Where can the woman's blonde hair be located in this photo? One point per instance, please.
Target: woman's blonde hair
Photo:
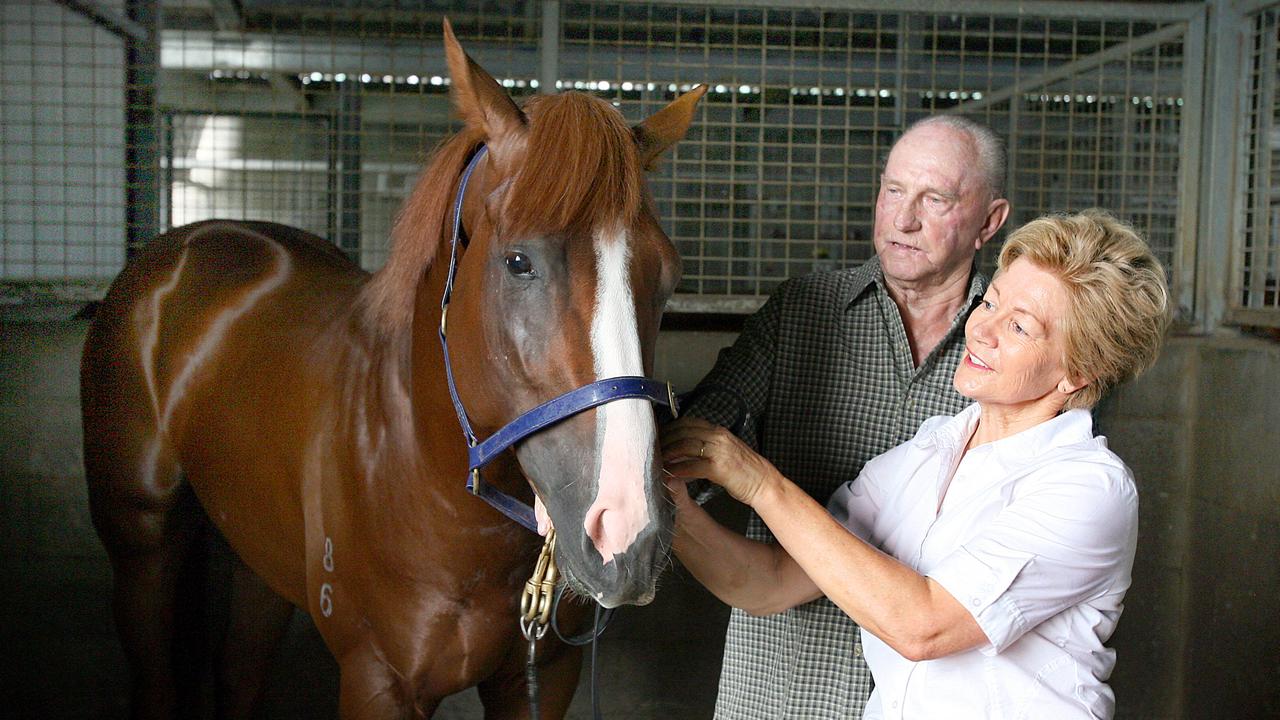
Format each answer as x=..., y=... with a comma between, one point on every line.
x=1119, y=299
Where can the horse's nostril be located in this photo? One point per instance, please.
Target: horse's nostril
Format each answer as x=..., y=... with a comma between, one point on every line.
x=594, y=525
x=612, y=530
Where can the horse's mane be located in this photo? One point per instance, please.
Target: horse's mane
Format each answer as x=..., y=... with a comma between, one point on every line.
x=581, y=173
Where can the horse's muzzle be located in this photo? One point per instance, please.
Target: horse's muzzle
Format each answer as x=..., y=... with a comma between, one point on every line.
x=630, y=577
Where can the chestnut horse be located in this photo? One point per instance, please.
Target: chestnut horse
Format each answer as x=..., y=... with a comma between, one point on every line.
x=250, y=370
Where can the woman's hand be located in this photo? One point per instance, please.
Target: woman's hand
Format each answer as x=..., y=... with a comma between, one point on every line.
x=693, y=448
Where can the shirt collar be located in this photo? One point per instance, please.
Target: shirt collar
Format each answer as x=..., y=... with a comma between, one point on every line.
x=1068, y=428
x=870, y=273
x=857, y=282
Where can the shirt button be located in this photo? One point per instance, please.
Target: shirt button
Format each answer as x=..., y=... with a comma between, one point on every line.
x=1062, y=642
x=976, y=602
x=857, y=651
x=895, y=704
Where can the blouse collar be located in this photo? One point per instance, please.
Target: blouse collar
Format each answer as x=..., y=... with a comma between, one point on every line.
x=1069, y=428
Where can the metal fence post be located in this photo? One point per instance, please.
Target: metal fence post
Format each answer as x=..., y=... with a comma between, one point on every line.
x=142, y=137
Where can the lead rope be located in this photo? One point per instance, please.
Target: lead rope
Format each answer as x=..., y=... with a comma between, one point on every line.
x=590, y=636
x=538, y=605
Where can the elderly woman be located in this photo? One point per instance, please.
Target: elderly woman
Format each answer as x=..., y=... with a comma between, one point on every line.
x=986, y=558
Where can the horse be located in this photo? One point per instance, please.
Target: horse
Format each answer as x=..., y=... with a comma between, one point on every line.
x=249, y=376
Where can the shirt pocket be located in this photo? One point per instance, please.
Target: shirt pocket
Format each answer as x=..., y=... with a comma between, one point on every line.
x=979, y=580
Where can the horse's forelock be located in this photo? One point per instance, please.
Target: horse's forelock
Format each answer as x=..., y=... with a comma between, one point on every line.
x=581, y=171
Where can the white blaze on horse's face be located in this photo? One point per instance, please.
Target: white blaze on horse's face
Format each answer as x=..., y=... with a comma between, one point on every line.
x=625, y=427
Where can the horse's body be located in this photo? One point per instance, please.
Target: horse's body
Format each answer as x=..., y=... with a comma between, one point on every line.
x=304, y=402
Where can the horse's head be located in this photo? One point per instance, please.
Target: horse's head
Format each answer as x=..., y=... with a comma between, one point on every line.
x=563, y=283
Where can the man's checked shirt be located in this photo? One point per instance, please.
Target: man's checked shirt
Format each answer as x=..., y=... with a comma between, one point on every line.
x=828, y=376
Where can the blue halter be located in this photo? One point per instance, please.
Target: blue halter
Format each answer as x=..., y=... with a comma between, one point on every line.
x=539, y=418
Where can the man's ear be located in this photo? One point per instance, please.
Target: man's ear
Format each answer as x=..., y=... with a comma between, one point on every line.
x=997, y=213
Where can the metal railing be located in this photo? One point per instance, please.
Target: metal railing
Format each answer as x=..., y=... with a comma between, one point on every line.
x=1253, y=294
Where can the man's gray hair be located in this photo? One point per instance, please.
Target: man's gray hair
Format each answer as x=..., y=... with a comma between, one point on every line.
x=989, y=147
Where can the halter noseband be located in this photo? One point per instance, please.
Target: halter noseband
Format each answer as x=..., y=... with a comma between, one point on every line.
x=479, y=453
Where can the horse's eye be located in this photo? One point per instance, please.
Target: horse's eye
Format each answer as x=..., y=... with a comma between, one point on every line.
x=519, y=264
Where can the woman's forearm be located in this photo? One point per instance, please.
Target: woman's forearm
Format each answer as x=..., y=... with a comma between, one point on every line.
x=910, y=612
x=743, y=573
x=816, y=555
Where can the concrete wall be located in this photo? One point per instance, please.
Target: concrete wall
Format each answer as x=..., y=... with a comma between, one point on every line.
x=1232, y=653
x=1197, y=639
x=1151, y=424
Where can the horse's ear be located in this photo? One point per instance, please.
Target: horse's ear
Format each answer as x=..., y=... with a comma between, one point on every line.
x=667, y=126
x=482, y=102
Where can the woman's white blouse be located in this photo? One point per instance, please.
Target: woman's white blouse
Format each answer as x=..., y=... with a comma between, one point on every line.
x=1035, y=536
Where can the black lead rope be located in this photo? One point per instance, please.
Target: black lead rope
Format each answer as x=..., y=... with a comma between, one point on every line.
x=531, y=679
x=590, y=636
x=601, y=622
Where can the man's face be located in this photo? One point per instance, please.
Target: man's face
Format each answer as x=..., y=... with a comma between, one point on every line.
x=933, y=207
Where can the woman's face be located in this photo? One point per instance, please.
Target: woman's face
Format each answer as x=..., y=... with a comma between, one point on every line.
x=1015, y=348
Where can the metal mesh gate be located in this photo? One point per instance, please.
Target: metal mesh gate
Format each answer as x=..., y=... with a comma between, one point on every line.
x=319, y=114
x=1254, y=295
x=62, y=151
x=779, y=176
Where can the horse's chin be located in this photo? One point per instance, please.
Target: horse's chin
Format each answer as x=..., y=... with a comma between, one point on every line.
x=646, y=598
x=579, y=588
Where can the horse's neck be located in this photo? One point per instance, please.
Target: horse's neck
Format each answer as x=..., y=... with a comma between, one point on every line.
x=420, y=399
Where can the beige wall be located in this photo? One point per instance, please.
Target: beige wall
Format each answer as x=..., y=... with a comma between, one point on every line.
x=1198, y=638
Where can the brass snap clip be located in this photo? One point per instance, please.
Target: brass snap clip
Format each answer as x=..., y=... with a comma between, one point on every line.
x=536, y=600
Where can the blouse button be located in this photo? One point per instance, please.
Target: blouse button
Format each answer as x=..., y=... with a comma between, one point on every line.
x=977, y=602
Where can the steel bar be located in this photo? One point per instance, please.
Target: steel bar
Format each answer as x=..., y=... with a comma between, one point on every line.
x=1075, y=67
x=116, y=23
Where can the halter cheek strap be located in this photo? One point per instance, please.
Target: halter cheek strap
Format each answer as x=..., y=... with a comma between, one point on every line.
x=480, y=453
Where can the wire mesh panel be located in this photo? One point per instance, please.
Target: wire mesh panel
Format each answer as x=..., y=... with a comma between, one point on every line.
x=778, y=177
x=319, y=114
x=1255, y=299
x=62, y=151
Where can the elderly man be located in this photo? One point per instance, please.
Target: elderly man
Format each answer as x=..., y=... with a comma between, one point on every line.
x=841, y=366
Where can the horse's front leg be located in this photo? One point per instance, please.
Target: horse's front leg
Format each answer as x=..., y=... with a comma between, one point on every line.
x=505, y=695
x=369, y=689
x=257, y=624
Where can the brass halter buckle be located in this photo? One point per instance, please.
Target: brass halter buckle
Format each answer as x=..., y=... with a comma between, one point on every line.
x=536, y=600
